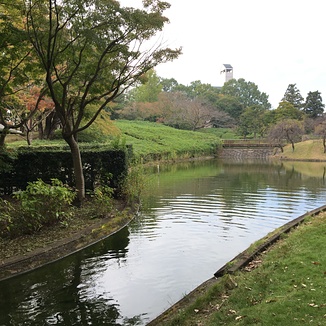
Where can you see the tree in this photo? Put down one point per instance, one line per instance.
(28, 108)
(148, 111)
(314, 106)
(149, 90)
(181, 112)
(17, 64)
(290, 130)
(230, 105)
(221, 119)
(205, 92)
(247, 93)
(91, 52)
(293, 96)
(320, 130)
(168, 84)
(252, 121)
(287, 110)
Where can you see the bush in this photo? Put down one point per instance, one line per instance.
(39, 205)
(134, 184)
(100, 203)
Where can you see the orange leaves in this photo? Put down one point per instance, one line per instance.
(32, 101)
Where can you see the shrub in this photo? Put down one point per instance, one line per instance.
(39, 205)
(100, 203)
(134, 184)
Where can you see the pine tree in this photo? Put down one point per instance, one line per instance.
(314, 106)
(293, 96)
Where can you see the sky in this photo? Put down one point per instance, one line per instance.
(270, 43)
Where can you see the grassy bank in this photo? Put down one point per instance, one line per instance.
(309, 150)
(283, 286)
(154, 141)
(150, 141)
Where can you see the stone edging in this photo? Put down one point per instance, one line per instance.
(43, 256)
(237, 263)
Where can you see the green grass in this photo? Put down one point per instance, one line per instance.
(306, 150)
(154, 141)
(287, 288)
(151, 141)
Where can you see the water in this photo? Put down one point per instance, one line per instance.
(198, 217)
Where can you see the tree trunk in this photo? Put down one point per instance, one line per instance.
(281, 147)
(2, 139)
(40, 128)
(51, 123)
(78, 168)
(3, 136)
(28, 137)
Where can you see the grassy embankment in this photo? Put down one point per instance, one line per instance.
(153, 141)
(309, 150)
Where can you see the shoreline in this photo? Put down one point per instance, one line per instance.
(69, 242)
(238, 263)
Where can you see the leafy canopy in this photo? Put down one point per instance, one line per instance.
(247, 93)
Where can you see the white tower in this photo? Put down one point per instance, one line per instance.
(227, 70)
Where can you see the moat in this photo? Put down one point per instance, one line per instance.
(196, 217)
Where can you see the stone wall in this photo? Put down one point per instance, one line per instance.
(246, 152)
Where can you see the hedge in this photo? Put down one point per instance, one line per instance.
(19, 167)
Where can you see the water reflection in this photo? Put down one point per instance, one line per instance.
(199, 216)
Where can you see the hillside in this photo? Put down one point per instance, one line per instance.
(153, 141)
(309, 150)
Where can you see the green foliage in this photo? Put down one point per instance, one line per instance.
(287, 110)
(39, 205)
(104, 45)
(100, 203)
(197, 89)
(230, 105)
(293, 96)
(314, 106)
(6, 217)
(252, 121)
(101, 130)
(247, 93)
(53, 160)
(149, 90)
(134, 184)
